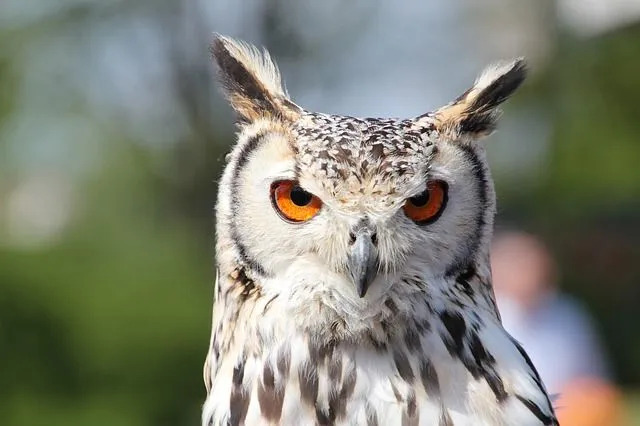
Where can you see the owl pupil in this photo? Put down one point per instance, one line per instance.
(300, 197)
(421, 199)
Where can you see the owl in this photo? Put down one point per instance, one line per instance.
(353, 283)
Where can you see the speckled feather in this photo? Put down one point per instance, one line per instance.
(292, 343)
(343, 152)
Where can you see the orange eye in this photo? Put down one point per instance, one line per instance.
(427, 206)
(293, 203)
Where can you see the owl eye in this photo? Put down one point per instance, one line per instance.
(293, 203)
(426, 207)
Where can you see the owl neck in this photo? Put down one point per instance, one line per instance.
(320, 311)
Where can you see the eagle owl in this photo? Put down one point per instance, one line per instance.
(353, 283)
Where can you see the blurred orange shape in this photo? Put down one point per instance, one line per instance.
(590, 402)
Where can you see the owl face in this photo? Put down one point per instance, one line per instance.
(352, 204)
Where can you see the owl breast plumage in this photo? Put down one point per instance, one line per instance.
(353, 279)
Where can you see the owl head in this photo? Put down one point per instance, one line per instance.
(346, 206)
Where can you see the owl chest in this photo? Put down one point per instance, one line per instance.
(296, 383)
(343, 387)
(436, 366)
(293, 380)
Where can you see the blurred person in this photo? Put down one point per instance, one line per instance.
(555, 330)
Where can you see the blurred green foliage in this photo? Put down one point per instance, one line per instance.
(110, 326)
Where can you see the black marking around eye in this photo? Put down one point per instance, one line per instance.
(243, 157)
(466, 258)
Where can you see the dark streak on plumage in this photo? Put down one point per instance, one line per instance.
(268, 304)
(396, 393)
(463, 280)
(534, 372)
(482, 363)
(372, 417)
(456, 327)
(349, 383)
(412, 339)
(319, 350)
(238, 371)
(496, 384)
(308, 378)
(408, 421)
(485, 362)
(335, 367)
(411, 416)
(239, 399)
(338, 398)
(267, 376)
(378, 345)
(215, 346)
(325, 418)
(403, 366)
(391, 305)
(270, 397)
(320, 353)
(386, 327)
(429, 378)
(337, 405)
(445, 418)
(424, 325)
(247, 285)
(284, 361)
(338, 324)
(531, 406)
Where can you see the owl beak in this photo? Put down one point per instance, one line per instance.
(363, 260)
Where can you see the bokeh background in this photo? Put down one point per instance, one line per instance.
(113, 134)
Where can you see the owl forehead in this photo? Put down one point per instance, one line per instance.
(364, 156)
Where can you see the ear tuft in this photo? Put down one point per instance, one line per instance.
(251, 80)
(474, 114)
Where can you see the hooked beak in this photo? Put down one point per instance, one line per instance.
(363, 260)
